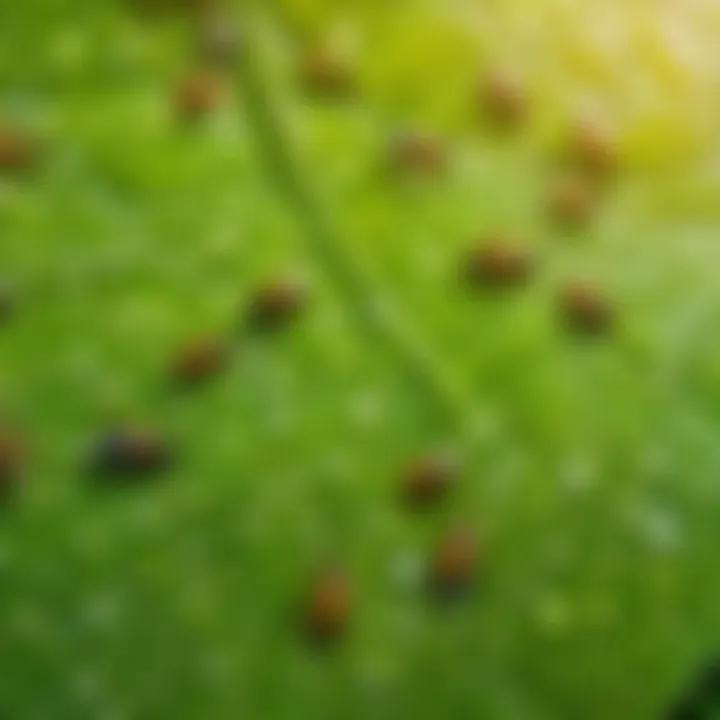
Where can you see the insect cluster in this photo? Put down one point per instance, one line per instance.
(497, 262)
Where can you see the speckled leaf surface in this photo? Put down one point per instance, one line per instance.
(588, 466)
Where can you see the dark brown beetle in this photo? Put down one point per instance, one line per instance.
(454, 564)
(497, 263)
(327, 607)
(592, 149)
(585, 309)
(276, 304)
(18, 151)
(428, 480)
(197, 361)
(503, 100)
(197, 95)
(572, 201)
(419, 153)
(325, 73)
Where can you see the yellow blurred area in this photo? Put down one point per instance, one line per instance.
(650, 68)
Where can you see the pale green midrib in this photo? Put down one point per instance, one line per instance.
(346, 273)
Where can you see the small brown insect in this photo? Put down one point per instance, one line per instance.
(497, 263)
(419, 153)
(197, 95)
(197, 361)
(503, 100)
(327, 607)
(325, 73)
(453, 566)
(585, 309)
(572, 201)
(276, 304)
(592, 149)
(428, 480)
(130, 454)
(17, 150)
(12, 457)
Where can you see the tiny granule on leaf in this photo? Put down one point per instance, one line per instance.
(572, 201)
(453, 564)
(18, 150)
(418, 153)
(428, 479)
(592, 148)
(276, 304)
(325, 72)
(585, 310)
(197, 95)
(198, 360)
(327, 606)
(497, 262)
(503, 100)
(130, 453)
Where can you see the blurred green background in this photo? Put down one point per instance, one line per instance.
(589, 469)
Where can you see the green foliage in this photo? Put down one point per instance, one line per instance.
(589, 468)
